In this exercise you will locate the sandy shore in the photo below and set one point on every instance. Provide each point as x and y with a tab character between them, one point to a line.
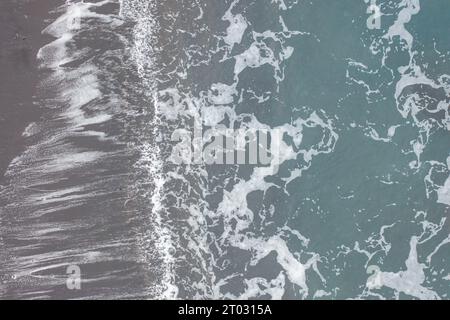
21	23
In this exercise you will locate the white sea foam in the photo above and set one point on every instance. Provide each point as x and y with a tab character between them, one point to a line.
143	51
80	85
55	54
408	78
222	94
410	281
444	191
31	130
410	104
74	88
234	208
237	27
233	212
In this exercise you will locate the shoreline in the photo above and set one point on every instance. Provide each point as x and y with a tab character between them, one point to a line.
21	25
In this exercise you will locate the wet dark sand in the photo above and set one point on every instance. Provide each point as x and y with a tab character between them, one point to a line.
21	23
98	226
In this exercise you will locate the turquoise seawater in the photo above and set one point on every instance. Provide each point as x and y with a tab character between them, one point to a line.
356	206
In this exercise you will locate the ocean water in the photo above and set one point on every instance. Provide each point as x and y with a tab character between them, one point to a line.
353	205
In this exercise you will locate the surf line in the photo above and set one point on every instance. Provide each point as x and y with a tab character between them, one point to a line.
198	311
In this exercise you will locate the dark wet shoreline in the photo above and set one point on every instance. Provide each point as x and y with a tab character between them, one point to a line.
21	23
81	211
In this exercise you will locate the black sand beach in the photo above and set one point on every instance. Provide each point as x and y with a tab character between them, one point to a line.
21	23
83	211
